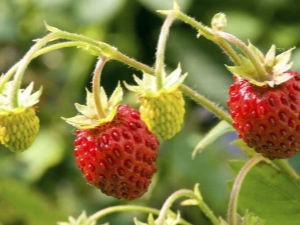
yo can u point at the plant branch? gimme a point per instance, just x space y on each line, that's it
232 209
206 103
160 53
14 95
185 193
97 87
125 208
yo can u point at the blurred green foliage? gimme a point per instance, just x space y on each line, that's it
43 185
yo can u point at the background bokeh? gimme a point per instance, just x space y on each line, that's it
43 185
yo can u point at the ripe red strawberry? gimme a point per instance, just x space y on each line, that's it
266 108
119 156
267 118
114 148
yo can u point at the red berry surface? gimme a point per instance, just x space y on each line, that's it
267 118
118 157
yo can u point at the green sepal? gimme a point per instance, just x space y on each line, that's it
270 58
281 62
244 72
81 220
89 117
147 85
256 52
25 96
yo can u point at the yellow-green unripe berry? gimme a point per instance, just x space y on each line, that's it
163 114
18 128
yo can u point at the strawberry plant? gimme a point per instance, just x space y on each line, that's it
116 146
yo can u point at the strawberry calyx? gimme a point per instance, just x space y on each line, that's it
18 126
274 67
252 64
89 116
259 69
147 85
98 109
25 97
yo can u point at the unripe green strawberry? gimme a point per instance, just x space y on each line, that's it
18 126
163 114
162 110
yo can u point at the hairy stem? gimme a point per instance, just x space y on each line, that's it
126 208
185 193
97 87
210 34
105 49
160 53
261 73
206 103
14 95
232 209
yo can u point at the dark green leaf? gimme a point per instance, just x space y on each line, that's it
270 194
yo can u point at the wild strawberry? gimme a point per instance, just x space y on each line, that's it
19 126
114 148
118 157
162 110
266 113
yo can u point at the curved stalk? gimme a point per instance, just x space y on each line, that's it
210 34
185 193
96 85
126 208
14 95
232 209
160 53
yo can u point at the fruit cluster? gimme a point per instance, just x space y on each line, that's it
116 147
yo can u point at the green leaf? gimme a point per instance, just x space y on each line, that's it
270 194
220 129
256 51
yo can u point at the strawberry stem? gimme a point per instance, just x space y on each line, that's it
185 193
210 34
232 209
22 65
42 51
206 103
160 53
125 208
261 73
220 38
97 87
